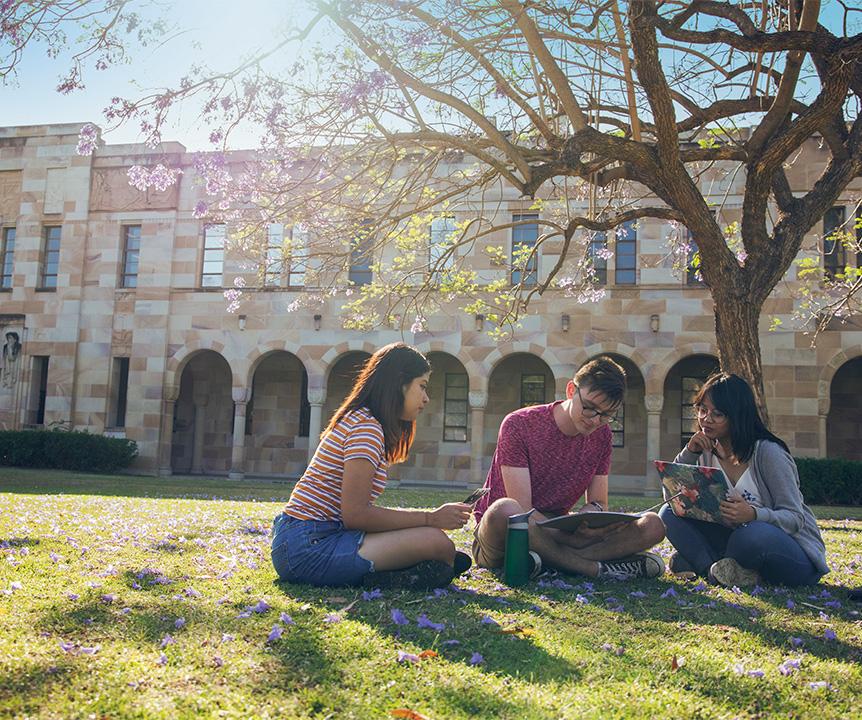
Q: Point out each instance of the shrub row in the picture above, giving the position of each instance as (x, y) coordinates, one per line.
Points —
(65, 450)
(830, 481)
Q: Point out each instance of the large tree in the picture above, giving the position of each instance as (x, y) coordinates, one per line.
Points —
(602, 112)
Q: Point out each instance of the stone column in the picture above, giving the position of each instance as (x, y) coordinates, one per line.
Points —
(237, 455)
(200, 403)
(654, 404)
(478, 399)
(823, 406)
(166, 430)
(316, 398)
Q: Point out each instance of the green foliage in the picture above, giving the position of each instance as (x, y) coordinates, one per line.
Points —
(830, 481)
(65, 450)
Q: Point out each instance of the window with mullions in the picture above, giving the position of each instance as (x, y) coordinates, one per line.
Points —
(360, 257)
(212, 270)
(688, 415)
(7, 257)
(532, 390)
(626, 254)
(618, 426)
(834, 252)
(598, 255)
(285, 256)
(455, 407)
(50, 257)
(131, 253)
(439, 241)
(524, 237)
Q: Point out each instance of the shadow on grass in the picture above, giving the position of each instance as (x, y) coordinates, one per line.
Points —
(17, 542)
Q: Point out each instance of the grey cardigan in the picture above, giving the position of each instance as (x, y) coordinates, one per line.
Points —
(774, 472)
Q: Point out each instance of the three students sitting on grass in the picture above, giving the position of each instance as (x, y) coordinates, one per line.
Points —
(548, 457)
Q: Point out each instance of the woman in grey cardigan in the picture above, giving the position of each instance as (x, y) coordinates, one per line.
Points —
(769, 533)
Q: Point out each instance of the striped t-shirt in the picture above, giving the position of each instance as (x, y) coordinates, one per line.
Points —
(317, 495)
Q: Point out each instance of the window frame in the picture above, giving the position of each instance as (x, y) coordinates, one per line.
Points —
(128, 279)
(618, 427)
(119, 397)
(599, 241)
(7, 256)
(204, 274)
(453, 432)
(621, 242)
(522, 386)
(50, 257)
(531, 269)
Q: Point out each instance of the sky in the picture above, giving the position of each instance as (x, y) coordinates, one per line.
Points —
(225, 30)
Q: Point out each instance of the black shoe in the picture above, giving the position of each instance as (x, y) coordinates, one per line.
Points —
(641, 565)
(426, 575)
(463, 562)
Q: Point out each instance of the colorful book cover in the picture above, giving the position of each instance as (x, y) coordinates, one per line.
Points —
(694, 491)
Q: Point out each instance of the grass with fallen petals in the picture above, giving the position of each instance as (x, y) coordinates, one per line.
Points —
(127, 597)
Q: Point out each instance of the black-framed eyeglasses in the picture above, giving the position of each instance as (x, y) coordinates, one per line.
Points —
(703, 412)
(591, 412)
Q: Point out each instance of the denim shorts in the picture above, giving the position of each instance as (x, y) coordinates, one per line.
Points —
(317, 552)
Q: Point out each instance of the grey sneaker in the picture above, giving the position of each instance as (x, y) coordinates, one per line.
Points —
(729, 573)
(642, 565)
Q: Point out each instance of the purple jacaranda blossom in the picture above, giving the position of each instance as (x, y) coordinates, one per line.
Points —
(819, 685)
(669, 593)
(332, 618)
(423, 622)
(790, 604)
(125, 611)
(739, 669)
(217, 661)
(286, 619)
(87, 139)
(637, 594)
(756, 590)
(561, 584)
(54, 557)
(488, 620)
(607, 647)
(588, 587)
(90, 650)
(200, 209)
(163, 659)
(167, 640)
(829, 635)
(405, 657)
(275, 633)
(440, 592)
(476, 659)
(700, 587)
(736, 590)
(398, 617)
(823, 616)
(796, 642)
(244, 614)
(788, 667)
(135, 586)
(834, 604)
(179, 623)
(67, 646)
(261, 607)
(16, 585)
(72, 596)
(372, 594)
(192, 593)
(581, 599)
(451, 642)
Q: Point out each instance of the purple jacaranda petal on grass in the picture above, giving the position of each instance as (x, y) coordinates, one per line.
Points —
(736, 590)
(275, 633)
(607, 647)
(561, 584)
(819, 685)
(796, 642)
(834, 604)
(54, 556)
(332, 618)
(72, 596)
(829, 635)
(488, 620)
(179, 623)
(67, 646)
(581, 599)
(372, 594)
(451, 642)
(756, 590)
(16, 585)
(669, 593)
(398, 617)
(823, 616)
(167, 640)
(223, 601)
(535, 608)
(637, 594)
(125, 611)
(790, 604)
(476, 659)
(261, 607)
(497, 587)
(286, 619)
(788, 667)
(424, 622)
(755, 673)
(217, 661)
(244, 614)
(90, 650)
(440, 592)
(588, 587)
(406, 657)
(135, 586)
(192, 593)
(700, 587)
(163, 659)
(226, 637)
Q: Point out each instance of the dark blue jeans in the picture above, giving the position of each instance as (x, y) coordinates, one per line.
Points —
(757, 545)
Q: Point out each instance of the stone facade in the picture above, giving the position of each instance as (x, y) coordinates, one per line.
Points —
(157, 357)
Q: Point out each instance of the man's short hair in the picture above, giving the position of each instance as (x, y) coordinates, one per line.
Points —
(605, 376)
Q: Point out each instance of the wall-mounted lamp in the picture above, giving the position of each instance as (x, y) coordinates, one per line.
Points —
(564, 322)
(480, 322)
(241, 322)
(317, 319)
(654, 323)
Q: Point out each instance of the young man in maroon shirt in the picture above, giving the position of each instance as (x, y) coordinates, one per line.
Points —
(550, 456)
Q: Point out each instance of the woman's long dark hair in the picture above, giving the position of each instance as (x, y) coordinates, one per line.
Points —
(380, 388)
(733, 396)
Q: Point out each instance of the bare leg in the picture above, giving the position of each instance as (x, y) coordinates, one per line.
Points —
(397, 549)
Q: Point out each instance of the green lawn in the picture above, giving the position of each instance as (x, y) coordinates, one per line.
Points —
(144, 597)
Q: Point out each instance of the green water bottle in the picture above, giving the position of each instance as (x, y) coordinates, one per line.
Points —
(516, 561)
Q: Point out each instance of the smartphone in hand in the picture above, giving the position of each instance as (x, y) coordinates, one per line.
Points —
(476, 495)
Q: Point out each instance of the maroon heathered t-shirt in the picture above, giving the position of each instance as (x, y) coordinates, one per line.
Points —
(561, 466)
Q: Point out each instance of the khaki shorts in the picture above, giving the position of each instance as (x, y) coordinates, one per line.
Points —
(485, 554)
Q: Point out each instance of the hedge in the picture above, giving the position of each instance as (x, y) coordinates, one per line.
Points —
(65, 450)
(830, 481)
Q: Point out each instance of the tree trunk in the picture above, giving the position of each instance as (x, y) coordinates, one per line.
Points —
(736, 331)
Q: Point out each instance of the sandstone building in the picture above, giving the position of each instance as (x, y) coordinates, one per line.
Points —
(112, 319)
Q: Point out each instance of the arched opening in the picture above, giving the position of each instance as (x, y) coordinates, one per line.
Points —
(340, 381)
(844, 422)
(203, 416)
(681, 384)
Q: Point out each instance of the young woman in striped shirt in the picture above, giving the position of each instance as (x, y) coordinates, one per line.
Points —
(331, 532)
